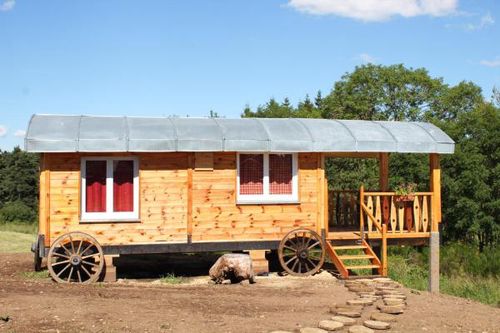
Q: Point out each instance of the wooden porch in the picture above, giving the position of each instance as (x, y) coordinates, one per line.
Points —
(358, 219)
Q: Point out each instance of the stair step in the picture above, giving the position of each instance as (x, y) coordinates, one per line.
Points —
(349, 247)
(356, 257)
(362, 267)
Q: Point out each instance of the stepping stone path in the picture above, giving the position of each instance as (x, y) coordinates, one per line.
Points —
(350, 314)
(388, 295)
(391, 309)
(394, 301)
(330, 325)
(360, 329)
(344, 320)
(360, 301)
(380, 316)
(312, 330)
(377, 325)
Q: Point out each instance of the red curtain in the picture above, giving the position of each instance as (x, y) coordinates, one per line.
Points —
(251, 174)
(95, 180)
(123, 186)
(280, 174)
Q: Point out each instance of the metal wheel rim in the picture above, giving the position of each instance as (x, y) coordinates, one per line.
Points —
(75, 257)
(301, 252)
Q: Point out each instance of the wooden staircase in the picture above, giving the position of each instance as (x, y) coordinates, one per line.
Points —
(353, 256)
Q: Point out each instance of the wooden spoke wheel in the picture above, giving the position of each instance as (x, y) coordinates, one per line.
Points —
(301, 252)
(75, 257)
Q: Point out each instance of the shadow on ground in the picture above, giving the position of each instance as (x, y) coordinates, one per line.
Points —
(153, 266)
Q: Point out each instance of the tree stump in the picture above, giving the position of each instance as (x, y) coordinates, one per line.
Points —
(234, 267)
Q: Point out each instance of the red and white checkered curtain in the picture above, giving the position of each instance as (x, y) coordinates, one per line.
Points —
(280, 174)
(251, 174)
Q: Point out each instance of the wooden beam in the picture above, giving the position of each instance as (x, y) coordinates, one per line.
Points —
(435, 188)
(320, 188)
(325, 195)
(384, 171)
(190, 197)
(384, 250)
(44, 200)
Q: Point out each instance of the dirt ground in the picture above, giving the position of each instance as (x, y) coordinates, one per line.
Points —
(36, 304)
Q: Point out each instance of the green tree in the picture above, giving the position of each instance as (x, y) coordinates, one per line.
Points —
(471, 177)
(19, 178)
(376, 92)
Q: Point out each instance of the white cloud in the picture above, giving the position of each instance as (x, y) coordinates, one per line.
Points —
(375, 10)
(7, 5)
(366, 58)
(3, 130)
(486, 20)
(491, 63)
(20, 133)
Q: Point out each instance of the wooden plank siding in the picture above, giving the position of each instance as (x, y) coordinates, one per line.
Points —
(166, 197)
(217, 217)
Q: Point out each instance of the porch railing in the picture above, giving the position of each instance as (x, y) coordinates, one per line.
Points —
(343, 209)
(400, 213)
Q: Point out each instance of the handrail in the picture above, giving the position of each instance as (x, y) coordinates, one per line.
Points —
(394, 193)
(370, 215)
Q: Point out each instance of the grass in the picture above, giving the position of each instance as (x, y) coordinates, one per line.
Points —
(171, 279)
(32, 275)
(15, 242)
(24, 228)
(464, 271)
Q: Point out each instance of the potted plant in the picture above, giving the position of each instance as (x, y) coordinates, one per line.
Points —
(405, 192)
(404, 197)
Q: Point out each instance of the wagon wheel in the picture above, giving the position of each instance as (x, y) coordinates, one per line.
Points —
(75, 257)
(301, 252)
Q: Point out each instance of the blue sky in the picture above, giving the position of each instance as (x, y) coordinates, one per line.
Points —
(189, 57)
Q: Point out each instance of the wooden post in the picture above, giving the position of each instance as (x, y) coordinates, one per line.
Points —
(259, 262)
(384, 250)
(435, 188)
(434, 262)
(383, 171)
(361, 212)
(44, 200)
(320, 174)
(190, 198)
(109, 268)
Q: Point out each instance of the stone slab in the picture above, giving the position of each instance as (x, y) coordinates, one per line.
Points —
(360, 329)
(391, 309)
(377, 325)
(330, 325)
(380, 316)
(349, 313)
(344, 320)
(360, 301)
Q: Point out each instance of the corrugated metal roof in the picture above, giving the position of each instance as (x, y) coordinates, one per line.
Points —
(59, 133)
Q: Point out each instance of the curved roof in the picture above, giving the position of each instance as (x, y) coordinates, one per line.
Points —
(58, 133)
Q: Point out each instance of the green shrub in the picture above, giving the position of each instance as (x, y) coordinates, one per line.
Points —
(465, 272)
(17, 211)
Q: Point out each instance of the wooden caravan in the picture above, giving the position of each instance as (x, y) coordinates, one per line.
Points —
(113, 186)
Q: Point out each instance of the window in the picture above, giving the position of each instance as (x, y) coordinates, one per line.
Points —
(109, 189)
(267, 178)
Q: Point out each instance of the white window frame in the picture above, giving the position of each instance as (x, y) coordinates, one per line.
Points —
(267, 197)
(109, 214)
